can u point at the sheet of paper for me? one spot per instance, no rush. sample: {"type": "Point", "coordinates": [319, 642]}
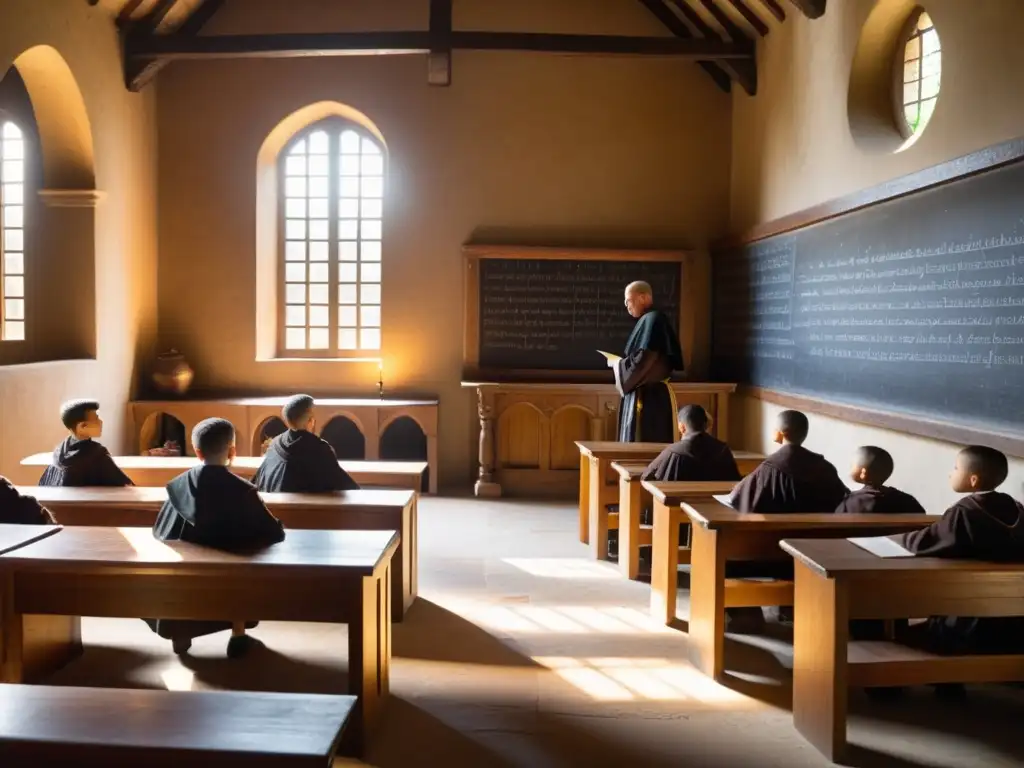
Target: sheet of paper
{"type": "Point", "coordinates": [609, 356]}
{"type": "Point", "coordinates": [882, 546]}
{"type": "Point", "coordinates": [723, 499]}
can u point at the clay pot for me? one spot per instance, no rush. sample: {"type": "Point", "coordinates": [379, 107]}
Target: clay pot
{"type": "Point", "coordinates": [172, 374]}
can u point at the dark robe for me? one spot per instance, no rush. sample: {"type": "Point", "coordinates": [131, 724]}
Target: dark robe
{"type": "Point", "coordinates": [210, 505]}
{"type": "Point", "coordinates": [981, 526]}
{"type": "Point", "coordinates": [79, 463]}
{"type": "Point", "coordinates": [647, 413]}
{"type": "Point", "coordinates": [879, 501]}
{"type": "Point", "coordinates": [793, 479]}
{"type": "Point", "coordinates": [21, 510]}
{"type": "Point", "coordinates": [698, 457]}
{"type": "Point", "coordinates": [298, 461]}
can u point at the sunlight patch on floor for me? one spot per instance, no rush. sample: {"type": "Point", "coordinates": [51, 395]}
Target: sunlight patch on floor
{"type": "Point", "coordinates": [528, 618]}
{"type": "Point", "coordinates": [562, 568]}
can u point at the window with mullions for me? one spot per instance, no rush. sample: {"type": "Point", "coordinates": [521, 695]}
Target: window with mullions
{"type": "Point", "coordinates": [12, 227]}
{"type": "Point", "coordinates": [331, 219]}
{"type": "Point", "coordinates": [919, 74]}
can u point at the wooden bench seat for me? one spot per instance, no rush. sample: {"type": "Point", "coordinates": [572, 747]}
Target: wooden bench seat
{"type": "Point", "coordinates": [367, 510]}
{"type": "Point", "coordinates": [836, 581]}
{"type": "Point", "coordinates": [318, 576]}
{"type": "Point", "coordinates": [599, 485]}
{"type": "Point", "coordinates": [113, 728]}
{"type": "Point", "coordinates": [160, 470]}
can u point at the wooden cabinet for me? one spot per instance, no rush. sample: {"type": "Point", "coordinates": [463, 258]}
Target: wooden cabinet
{"type": "Point", "coordinates": [528, 432]}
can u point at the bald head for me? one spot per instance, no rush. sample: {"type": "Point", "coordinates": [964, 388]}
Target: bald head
{"type": "Point", "coordinates": [638, 298]}
{"type": "Point", "coordinates": [791, 427]}
{"type": "Point", "coordinates": [979, 468]}
{"type": "Point", "coordinates": [872, 465]}
{"type": "Point", "coordinates": [298, 411]}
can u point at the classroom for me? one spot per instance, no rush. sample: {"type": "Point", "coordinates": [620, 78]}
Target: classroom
{"type": "Point", "coordinates": [535, 383]}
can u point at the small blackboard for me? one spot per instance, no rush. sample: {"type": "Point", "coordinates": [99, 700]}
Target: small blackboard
{"type": "Point", "coordinates": [553, 313]}
{"type": "Point", "coordinates": [914, 305]}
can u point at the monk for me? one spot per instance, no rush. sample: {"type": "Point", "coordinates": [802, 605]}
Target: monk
{"type": "Point", "coordinates": [696, 456]}
{"type": "Point", "coordinates": [80, 460]}
{"type": "Point", "coordinates": [793, 479]}
{"type": "Point", "coordinates": [16, 509]}
{"type": "Point", "coordinates": [646, 412]}
{"type": "Point", "coordinates": [298, 461]}
{"type": "Point", "coordinates": [210, 505]}
{"type": "Point", "coordinates": [872, 466]}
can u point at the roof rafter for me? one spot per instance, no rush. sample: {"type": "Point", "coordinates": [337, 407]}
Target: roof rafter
{"type": "Point", "coordinates": [673, 24]}
{"type": "Point", "coordinates": [750, 17]}
{"type": "Point", "coordinates": [812, 9]}
{"type": "Point", "coordinates": [774, 9]}
{"type": "Point", "coordinates": [140, 71]}
{"type": "Point", "coordinates": [743, 72]}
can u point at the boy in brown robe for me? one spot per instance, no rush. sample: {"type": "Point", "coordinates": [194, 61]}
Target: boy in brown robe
{"type": "Point", "coordinates": [210, 505]}
{"type": "Point", "coordinates": [793, 479]}
{"type": "Point", "coordinates": [21, 510]}
{"type": "Point", "coordinates": [80, 460]}
{"type": "Point", "coordinates": [697, 456]}
{"type": "Point", "coordinates": [872, 466]}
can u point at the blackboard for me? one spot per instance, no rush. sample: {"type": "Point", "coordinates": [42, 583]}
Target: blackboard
{"type": "Point", "coordinates": [552, 314]}
{"type": "Point", "coordinates": [914, 306]}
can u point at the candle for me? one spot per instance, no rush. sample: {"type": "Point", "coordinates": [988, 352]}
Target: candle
{"type": "Point", "coordinates": [380, 378]}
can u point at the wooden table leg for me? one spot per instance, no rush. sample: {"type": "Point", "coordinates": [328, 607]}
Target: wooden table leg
{"type": "Point", "coordinates": [369, 659]}
{"type": "Point", "coordinates": [32, 647]}
{"type": "Point", "coordinates": [820, 633]}
{"type": "Point", "coordinates": [597, 518]}
{"type": "Point", "coordinates": [664, 562]}
{"type": "Point", "coordinates": [584, 497]}
{"type": "Point", "coordinates": [629, 527]}
{"type": "Point", "coordinates": [707, 602]}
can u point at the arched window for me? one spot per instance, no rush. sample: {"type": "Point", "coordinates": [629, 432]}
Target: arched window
{"type": "Point", "coordinates": [12, 225]}
{"type": "Point", "coordinates": [331, 209]}
{"type": "Point", "coordinates": [919, 73]}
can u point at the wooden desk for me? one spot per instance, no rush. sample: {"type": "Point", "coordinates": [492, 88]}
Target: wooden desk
{"type": "Point", "coordinates": [326, 576]}
{"type": "Point", "coordinates": [160, 470]}
{"type": "Point", "coordinates": [837, 581]}
{"type": "Point", "coordinates": [720, 535]}
{"type": "Point", "coordinates": [103, 727]}
{"type": "Point", "coordinates": [362, 510]}
{"type": "Point", "coordinates": [14, 536]}
{"type": "Point", "coordinates": [599, 485]}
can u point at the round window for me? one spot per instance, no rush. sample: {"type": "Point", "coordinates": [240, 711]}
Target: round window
{"type": "Point", "coordinates": [918, 74]}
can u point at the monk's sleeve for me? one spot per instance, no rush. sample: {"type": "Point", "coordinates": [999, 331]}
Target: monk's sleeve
{"type": "Point", "coordinates": [943, 538]}
{"type": "Point", "coordinates": [261, 526]}
{"type": "Point", "coordinates": [337, 478]}
{"type": "Point", "coordinates": [743, 496]}
{"type": "Point", "coordinates": [21, 510]}
{"type": "Point", "coordinates": [645, 366]}
{"type": "Point", "coordinates": [654, 468]}
{"type": "Point", "coordinates": [108, 474]}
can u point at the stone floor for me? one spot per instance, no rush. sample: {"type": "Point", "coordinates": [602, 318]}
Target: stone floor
{"type": "Point", "coordinates": [522, 652]}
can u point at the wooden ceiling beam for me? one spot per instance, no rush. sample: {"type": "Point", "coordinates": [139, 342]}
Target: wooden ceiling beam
{"type": "Point", "coordinates": [743, 72]}
{"type": "Point", "coordinates": [774, 9]}
{"type": "Point", "coordinates": [750, 17]}
{"type": "Point", "coordinates": [439, 60]}
{"type": "Point", "coordinates": [139, 71]}
{"type": "Point", "coordinates": [812, 9]}
{"type": "Point", "coordinates": [674, 25]}
{"type": "Point", "coordinates": [176, 46]}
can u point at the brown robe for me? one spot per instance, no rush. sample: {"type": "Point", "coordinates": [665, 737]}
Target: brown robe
{"type": "Point", "coordinates": [21, 510]}
{"type": "Point", "coordinates": [698, 457]}
{"type": "Point", "coordinates": [793, 479]}
{"type": "Point", "coordinates": [879, 501]}
{"type": "Point", "coordinates": [983, 526]}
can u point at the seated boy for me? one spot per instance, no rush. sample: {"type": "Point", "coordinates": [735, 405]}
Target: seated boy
{"type": "Point", "coordinates": [872, 466]}
{"type": "Point", "coordinates": [210, 505]}
{"type": "Point", "coordinates": [793, 479]}
{"type": "Point", "coordinates": [697, 456]}
{"type": "Point", "coordinates": [298, 461]}
{"type": "Point", "coordinates": [80, 460]}
{"type": "Point", "coordinates": [21, 510]}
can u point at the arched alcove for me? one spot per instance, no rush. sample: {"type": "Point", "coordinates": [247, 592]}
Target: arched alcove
{"type": "Point", "coordinates": [268, 430]}
{"type": "Point", "coordinates": [345, 438]}
{"type": "Point", "coordinates": [163, 435]}
{"type": "Point", "coordinates": [521, 430]}
{"type": "Point", "coordinates": [404, 440]}
{"type": "Point", "coordinates": [568, 424]}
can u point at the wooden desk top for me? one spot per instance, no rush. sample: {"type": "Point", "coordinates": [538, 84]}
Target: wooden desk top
{"type": "Point", "coordinates": [713, 515]}
{"type": "Point", "coordinates": [14, 536]}
{"type": "Point", "coordinates": [358, 551]}
{"type": "Point", "coordinates": [134, 496]}
{"type": "Point", "coordinates": [839, 557]}
{"type": "Point", "coordinates": [300, 725]}
{"type": "Point", "coordinates": [632, 470]}
{"type": "Point", "coordinates": [674, 493]}
{"type": "Point", "coordinates": [241, 465]}
{"type": "Point", "coordinates": [699, 387]}
{"type": "Point", "coordinates": [279, 402]}
{"type": "Point", "coordinates": [604, 449]}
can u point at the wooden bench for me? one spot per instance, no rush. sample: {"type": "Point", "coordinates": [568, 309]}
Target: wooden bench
{"type": "Point", "coordinates": [599, 485]}
{"type": "Point", "coordinates": [719, 535]}
{"type": "Point", "coordinates": [160, 470]}
{"type": "Point", "coordinates": [323, 576]}
{"type": "Point", "coordinates": [105, 728]}
{"type": "Point", "coordinates": [362, 510]}
{"type": "Point", "coordinates": [836, 581]}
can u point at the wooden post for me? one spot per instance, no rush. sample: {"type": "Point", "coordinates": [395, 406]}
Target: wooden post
{"type": "Point", "coordinates": [485, 485]}
{"type": "Point", "coordinates": [707, 601]}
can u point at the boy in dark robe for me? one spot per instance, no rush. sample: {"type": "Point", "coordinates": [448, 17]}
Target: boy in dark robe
{"type": "Point", "coordinates": [697, 456]}
{"type": "Point", "coordinates": [210, 505]}
{"type": "Point", "coordinates": [793, 479]}
{"type": "Point", "coordinates": [16, 509]}
{"type": "Point", "coordinates": [298, 461]}
{"type": "Point", "coordinates": [647, 409]}
{"type": "Point", "coordinates": [80, 460]}
{"type": "Point", "coordinates": [872, 466]}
